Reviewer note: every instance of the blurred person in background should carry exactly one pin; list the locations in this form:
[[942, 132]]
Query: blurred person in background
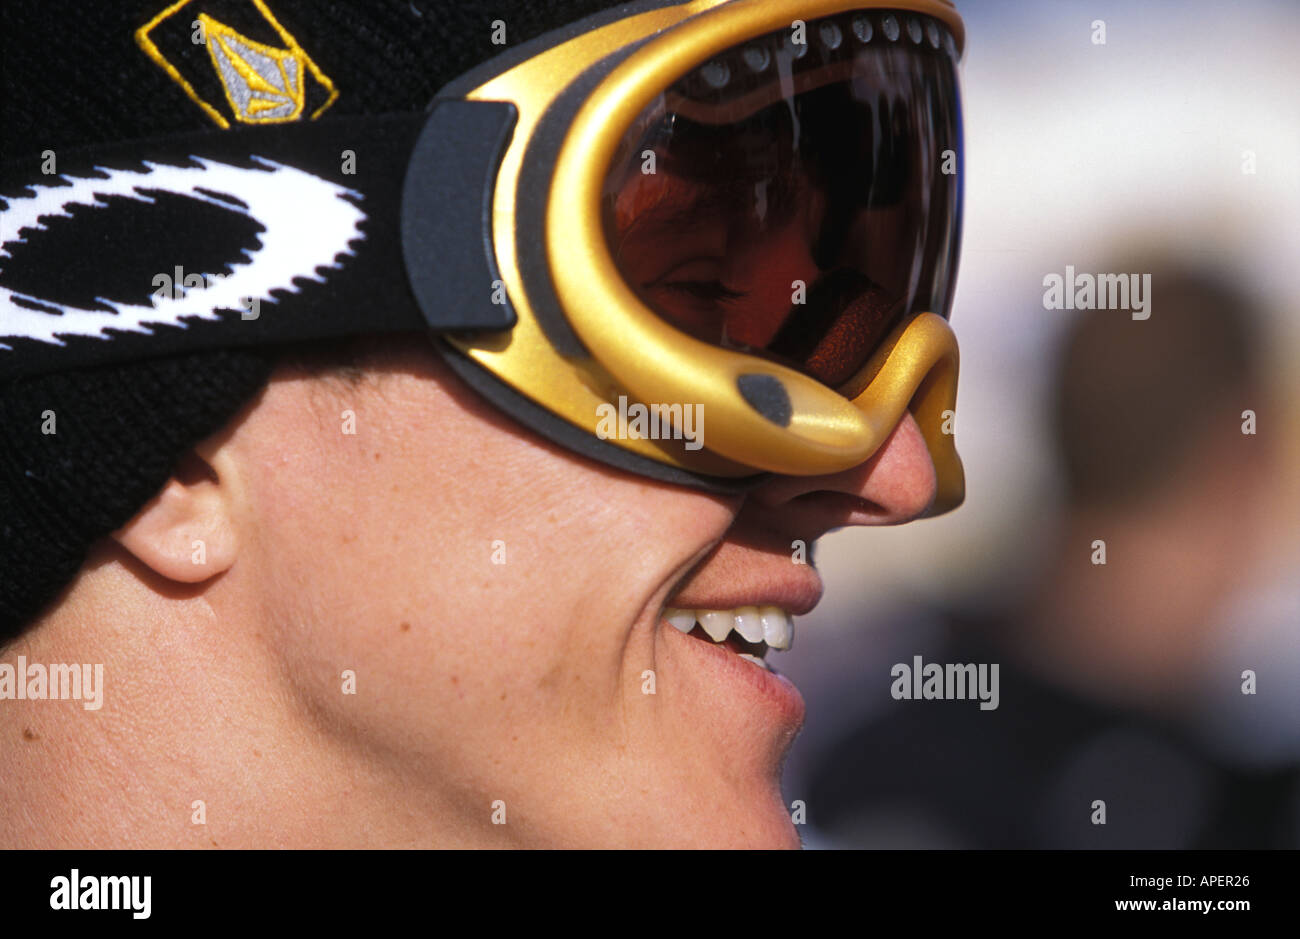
[[1103, 667]]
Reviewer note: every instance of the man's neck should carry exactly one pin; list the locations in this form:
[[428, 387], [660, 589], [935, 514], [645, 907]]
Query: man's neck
[[199, 741]]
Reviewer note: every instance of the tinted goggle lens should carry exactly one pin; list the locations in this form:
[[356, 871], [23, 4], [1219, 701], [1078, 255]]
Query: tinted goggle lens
[[798, 200]]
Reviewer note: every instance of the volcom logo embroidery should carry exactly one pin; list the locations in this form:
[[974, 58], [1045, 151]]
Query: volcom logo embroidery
[[294, 243], [261, 82]]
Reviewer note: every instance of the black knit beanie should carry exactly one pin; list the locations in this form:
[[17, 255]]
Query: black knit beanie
[[73, 76]]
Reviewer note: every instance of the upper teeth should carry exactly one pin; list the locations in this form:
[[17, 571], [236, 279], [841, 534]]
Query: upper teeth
[[768, 624]]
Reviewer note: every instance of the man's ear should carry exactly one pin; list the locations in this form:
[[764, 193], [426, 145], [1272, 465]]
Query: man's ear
[[186, 533]]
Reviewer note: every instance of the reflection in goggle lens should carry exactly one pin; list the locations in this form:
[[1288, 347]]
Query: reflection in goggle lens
[[798, 200]]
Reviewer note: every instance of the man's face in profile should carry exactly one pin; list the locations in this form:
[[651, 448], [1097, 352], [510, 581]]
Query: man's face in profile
[[524, 681], [433, 626]]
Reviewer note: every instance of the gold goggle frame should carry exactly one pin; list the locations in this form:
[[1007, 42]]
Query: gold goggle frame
[[636, 353]]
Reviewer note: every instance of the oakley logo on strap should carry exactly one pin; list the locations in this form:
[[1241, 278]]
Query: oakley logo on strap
[[306, 223]]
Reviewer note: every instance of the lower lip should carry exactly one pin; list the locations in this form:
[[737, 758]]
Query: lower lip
[[768, 690]]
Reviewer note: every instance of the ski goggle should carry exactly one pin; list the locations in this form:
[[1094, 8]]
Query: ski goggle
[[747, 212]]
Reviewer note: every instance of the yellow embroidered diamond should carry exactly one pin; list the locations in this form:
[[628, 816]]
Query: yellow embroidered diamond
[[262, 83]]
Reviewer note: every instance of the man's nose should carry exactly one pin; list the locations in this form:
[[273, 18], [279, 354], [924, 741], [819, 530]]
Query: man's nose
[[895, 485]]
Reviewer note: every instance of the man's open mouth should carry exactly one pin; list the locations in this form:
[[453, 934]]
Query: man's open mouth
[[749, 631]]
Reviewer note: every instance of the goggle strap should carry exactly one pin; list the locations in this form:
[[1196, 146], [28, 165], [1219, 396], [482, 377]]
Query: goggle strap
[[329, 269]]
